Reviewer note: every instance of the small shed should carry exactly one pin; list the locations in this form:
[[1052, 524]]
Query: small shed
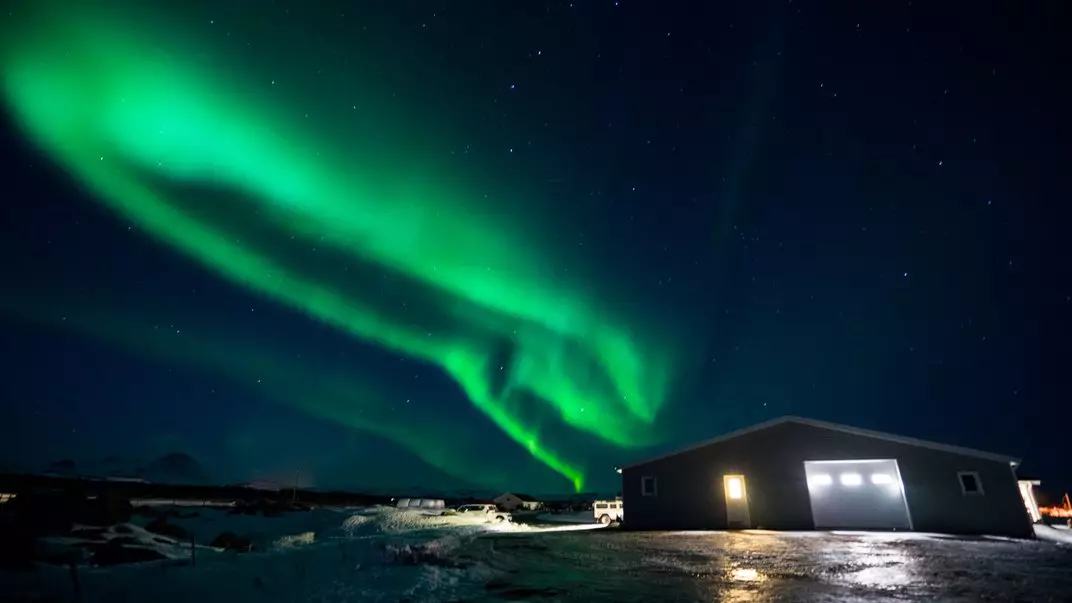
[[793, 473], [423, 504], [512, 501]]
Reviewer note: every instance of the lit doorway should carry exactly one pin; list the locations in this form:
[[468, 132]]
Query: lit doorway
[[737, 515]]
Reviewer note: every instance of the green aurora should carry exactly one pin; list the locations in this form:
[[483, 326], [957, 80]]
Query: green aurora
[[315, 216]]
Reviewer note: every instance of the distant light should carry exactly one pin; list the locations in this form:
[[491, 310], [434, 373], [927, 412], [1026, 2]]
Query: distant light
[[881, 479], [821, 479], [618, 470], [851, 479], [734, 489]]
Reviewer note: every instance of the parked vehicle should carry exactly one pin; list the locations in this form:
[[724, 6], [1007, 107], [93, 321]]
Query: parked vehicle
[[608, 511], [490, 513]]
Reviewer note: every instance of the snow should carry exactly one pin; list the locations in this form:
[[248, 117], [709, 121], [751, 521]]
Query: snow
[[166, 502], [1059, 534], [134, 535], [386, 554], [578, 517]]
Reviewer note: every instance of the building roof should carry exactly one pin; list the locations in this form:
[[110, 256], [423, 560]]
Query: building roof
[[878, 435]]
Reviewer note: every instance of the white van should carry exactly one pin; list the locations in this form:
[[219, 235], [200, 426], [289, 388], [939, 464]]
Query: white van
[[606, 511], [483, 512]]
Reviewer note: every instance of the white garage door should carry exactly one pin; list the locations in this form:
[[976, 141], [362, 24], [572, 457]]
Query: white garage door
[[857, 495]]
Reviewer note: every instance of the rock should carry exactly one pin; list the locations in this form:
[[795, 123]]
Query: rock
[[232, 542], [224, 540], [162, 527]]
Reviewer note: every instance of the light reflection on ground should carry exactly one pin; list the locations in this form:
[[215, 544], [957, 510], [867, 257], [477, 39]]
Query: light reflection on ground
[[745, 575], [377, 555], [753, 566]]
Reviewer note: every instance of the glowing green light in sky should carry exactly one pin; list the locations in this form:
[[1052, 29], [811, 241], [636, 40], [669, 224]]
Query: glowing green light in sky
[[129, 112]]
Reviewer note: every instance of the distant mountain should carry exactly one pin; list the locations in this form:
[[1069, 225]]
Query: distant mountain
[[424, 492], [65, 466], [174, 468], [485, 494]]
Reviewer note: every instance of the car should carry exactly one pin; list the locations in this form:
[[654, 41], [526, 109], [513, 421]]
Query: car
[[608, 511], [489, 512]]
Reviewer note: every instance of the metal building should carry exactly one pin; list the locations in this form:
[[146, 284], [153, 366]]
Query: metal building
[[793, 473]]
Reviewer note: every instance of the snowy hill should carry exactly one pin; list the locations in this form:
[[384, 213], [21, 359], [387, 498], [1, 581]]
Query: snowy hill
[[174, 468]]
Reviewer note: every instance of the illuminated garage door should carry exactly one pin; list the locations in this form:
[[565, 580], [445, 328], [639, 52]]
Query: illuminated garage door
[[857, 495]]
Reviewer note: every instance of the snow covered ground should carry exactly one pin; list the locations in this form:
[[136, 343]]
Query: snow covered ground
[[578, 517], [382, 554], [1056, 533]]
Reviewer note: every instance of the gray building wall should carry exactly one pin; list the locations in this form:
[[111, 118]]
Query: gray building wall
[[690, 494]]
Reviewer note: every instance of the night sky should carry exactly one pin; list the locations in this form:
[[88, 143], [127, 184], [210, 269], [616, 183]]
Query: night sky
[[511, 245]]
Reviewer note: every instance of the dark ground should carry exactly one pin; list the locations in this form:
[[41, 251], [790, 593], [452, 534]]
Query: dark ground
[[610, 565], [387, 556]]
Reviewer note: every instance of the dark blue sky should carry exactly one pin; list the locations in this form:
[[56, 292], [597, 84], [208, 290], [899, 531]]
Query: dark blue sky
[[856, 207]]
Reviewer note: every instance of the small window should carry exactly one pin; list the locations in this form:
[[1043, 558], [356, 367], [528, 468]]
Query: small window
[[970, 483], [602, 505], [648, 487]]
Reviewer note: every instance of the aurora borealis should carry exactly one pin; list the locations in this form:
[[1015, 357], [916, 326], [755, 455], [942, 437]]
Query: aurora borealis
[[152, 124], [422, 204]]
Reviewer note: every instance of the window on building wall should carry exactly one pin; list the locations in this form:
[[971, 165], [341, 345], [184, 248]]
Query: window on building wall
[[648, 486], [970, 483]]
